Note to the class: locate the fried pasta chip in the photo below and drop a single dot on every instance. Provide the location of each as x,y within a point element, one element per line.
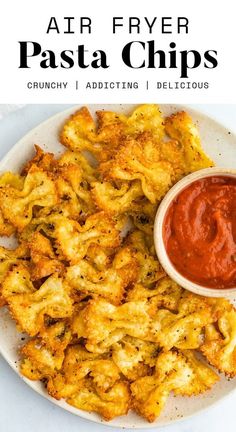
<point>6,228</point>
<point>73,239</point>
<point>220,345</point>
<point>112,403</point>
<point>55,334</point>
<point>79,364</point>
<point>140,159</point>
<point>16,181</point>
<point>202,377</point>
<point>174,371</point>
<point>180,127</point>
<point>9,258</point>
<point>166,294</point>
<point>39,361</point>
<point>43,160</point>
<point>58,387</point>
<point>68,205</point>
<point>90,382</point>
<point>17,205</point>
<point>146,118</point>
<point>105,324</point>
<point>28,306</point>
<point>110,283</point>
<point>100,257</point>
<point>17,282</point>
<point>110,131</point>
<point>12,179</point>
<point>73,175</point>
<point>43,259</point>
<point>80,132</point>
<point>113,127</point>
<point>143,214</point>
<point>115,200</point>
<point>183,330</point>
<point>179,331</point>
<point>134,357</point>
<point>76,158</point>
<point>150,270</point>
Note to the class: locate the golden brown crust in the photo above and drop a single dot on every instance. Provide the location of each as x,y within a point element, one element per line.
<point>45,161</point>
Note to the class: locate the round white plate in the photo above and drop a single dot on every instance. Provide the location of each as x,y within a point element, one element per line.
<point>220,144</point>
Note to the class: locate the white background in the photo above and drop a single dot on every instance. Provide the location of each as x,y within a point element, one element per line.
<point>211,26</point>
<point>21,409</point>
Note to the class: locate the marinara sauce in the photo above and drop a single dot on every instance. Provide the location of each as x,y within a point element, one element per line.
<point>199,232</point>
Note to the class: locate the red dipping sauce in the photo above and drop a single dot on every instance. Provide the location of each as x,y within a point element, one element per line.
<point>199,232</point>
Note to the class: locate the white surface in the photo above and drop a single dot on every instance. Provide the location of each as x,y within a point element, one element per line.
<point>30,410</point>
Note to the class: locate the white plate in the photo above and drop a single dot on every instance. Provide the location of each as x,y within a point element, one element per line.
<point>221,146</point>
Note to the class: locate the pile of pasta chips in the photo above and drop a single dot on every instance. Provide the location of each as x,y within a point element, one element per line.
<point>107,329</point>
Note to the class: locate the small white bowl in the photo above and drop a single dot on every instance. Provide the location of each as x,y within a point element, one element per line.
<point>158,233</point>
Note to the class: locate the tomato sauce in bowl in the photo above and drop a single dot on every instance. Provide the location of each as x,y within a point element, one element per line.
<point>199,232</point>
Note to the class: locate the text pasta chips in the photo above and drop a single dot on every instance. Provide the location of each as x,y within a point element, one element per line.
<point>107,330</point>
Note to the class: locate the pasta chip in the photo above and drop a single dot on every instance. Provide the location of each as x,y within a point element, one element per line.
<point>220,345</point>
<point>166,294</point>
<point>9,258</point>
<point>114,199</point>
<point>73,239</point>
<point>134,357</point>
<point>180,127</point>
<point>112,403</point>
<point>140,159</point>
<point>109,283</point>
<point>43,160</point>
<point>17,205</point>
<point>105,324</point>
<point>80,132</point>
<point>43,259</point>
<point>76,158</point>
<point>55,334</point>
<point>103,371</point>
<point>178,372</point>
<point>175,330</point>
<point>29,306</point>
<point>39,362</point>
<point>150,270</point>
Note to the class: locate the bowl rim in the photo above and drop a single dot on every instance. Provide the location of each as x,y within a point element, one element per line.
<point>158,233</point>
